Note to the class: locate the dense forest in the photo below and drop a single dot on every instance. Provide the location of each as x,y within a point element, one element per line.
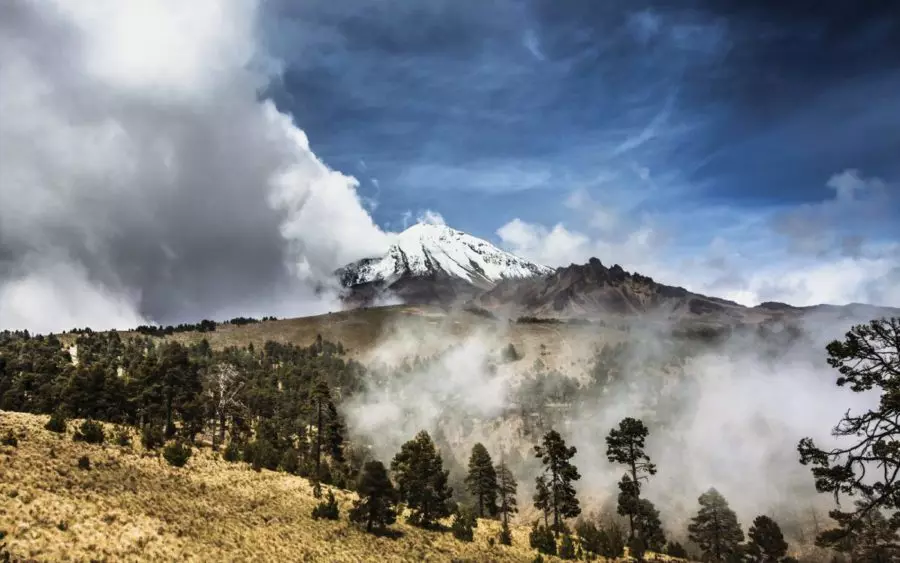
<point>279,407</point>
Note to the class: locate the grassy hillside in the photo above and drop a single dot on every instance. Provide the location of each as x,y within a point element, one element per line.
<point>132,506</point>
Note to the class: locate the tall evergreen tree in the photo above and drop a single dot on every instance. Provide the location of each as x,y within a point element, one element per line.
<point>767,543</point>
<point>422,480</point>
<point>329,428</point>
<point>506,491</point>
<point>376,505</point>
<point>625,445</point>
<point>715,528</point>
<point>559,472</point>
<point>867,359</point>
<point>481,481</point>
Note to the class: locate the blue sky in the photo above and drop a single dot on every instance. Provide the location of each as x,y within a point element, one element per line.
<point>719,127</point>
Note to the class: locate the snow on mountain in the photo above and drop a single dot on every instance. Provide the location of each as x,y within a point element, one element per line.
<point>426,249</point>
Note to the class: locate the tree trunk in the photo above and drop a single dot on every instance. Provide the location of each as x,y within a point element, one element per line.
<point>222,427</point>
<point>636,490</point>
<point>318,437</point>
<point>215,433</point>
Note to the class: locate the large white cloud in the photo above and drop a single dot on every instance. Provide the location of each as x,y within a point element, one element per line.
<point>142,177</point>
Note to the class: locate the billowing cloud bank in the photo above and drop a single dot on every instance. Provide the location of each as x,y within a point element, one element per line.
<point>142,177</point>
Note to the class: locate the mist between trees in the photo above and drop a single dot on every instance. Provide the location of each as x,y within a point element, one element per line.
<point>720,417</point>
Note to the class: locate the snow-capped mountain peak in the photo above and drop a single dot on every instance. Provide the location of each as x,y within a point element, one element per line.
<point>428,249</point>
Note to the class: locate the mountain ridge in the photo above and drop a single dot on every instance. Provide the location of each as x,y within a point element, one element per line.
<point>432,264</point>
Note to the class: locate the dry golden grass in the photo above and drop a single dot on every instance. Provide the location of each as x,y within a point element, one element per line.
<point>132,506</point>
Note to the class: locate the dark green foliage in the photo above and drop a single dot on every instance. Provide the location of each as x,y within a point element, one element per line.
<point>463,525</point>
<point>290,461</point>
<point>9,439</point>
<point>422,480</point>
<point>648,527</point>
<point>715,528</point>
<point>57,422</point>
<point>84,463</point>
<point>481,481</point>
<point>376,506</point>
<point>567,548</point>
<point>327,509</point>
<point>870,537</point>
<point>329,426</point>
<point>505,537</point>
<point>608,541</point>
<point>232,452</point>
<point>541,538</point>
<point>176,388</point>
<point>90,432</point>
<point>506,491</point>
<point>868,359</point>
<point>559,497</point>
<point>123,437</point>
<point>261,454</point>
<point>625,445</point>
<point>767,543</point>
<point>177,453</point>
<point>152,437</point>
<point>675,549</point>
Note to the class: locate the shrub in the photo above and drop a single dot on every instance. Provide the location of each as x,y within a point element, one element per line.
<point>463,524</point>
<point>152,437</point>
<point>10,439</point>
<point>177,453</point>
<point>290,461</point>
<point>260,454</point>
<point>232,452</point>
<point>84,463</point>
<point>90,432</point>
<point>327,509</point>
<point>541,538</point>
<point>57,422</point>
<point>675,549</point>
<point>123,438</point>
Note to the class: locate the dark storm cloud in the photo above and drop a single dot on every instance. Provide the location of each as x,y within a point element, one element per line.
<point>161,185</point>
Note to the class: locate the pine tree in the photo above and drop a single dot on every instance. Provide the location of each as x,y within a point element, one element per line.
<point>625,445</point>
<point>329,428</point>
<point>463,525</point>
<point>377,498</point>
<point>506,490</point>
<point>767,543</point>
<point>868,360</point>
<point>422,480</point>
<point>481,481</point>
<point>542,498</point>
<point>870,537</point>
<point>560,473</point>
<point>715,528</point>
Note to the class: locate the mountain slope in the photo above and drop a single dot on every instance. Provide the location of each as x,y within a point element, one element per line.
<point>434,264</point>
<point>593,290</point>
